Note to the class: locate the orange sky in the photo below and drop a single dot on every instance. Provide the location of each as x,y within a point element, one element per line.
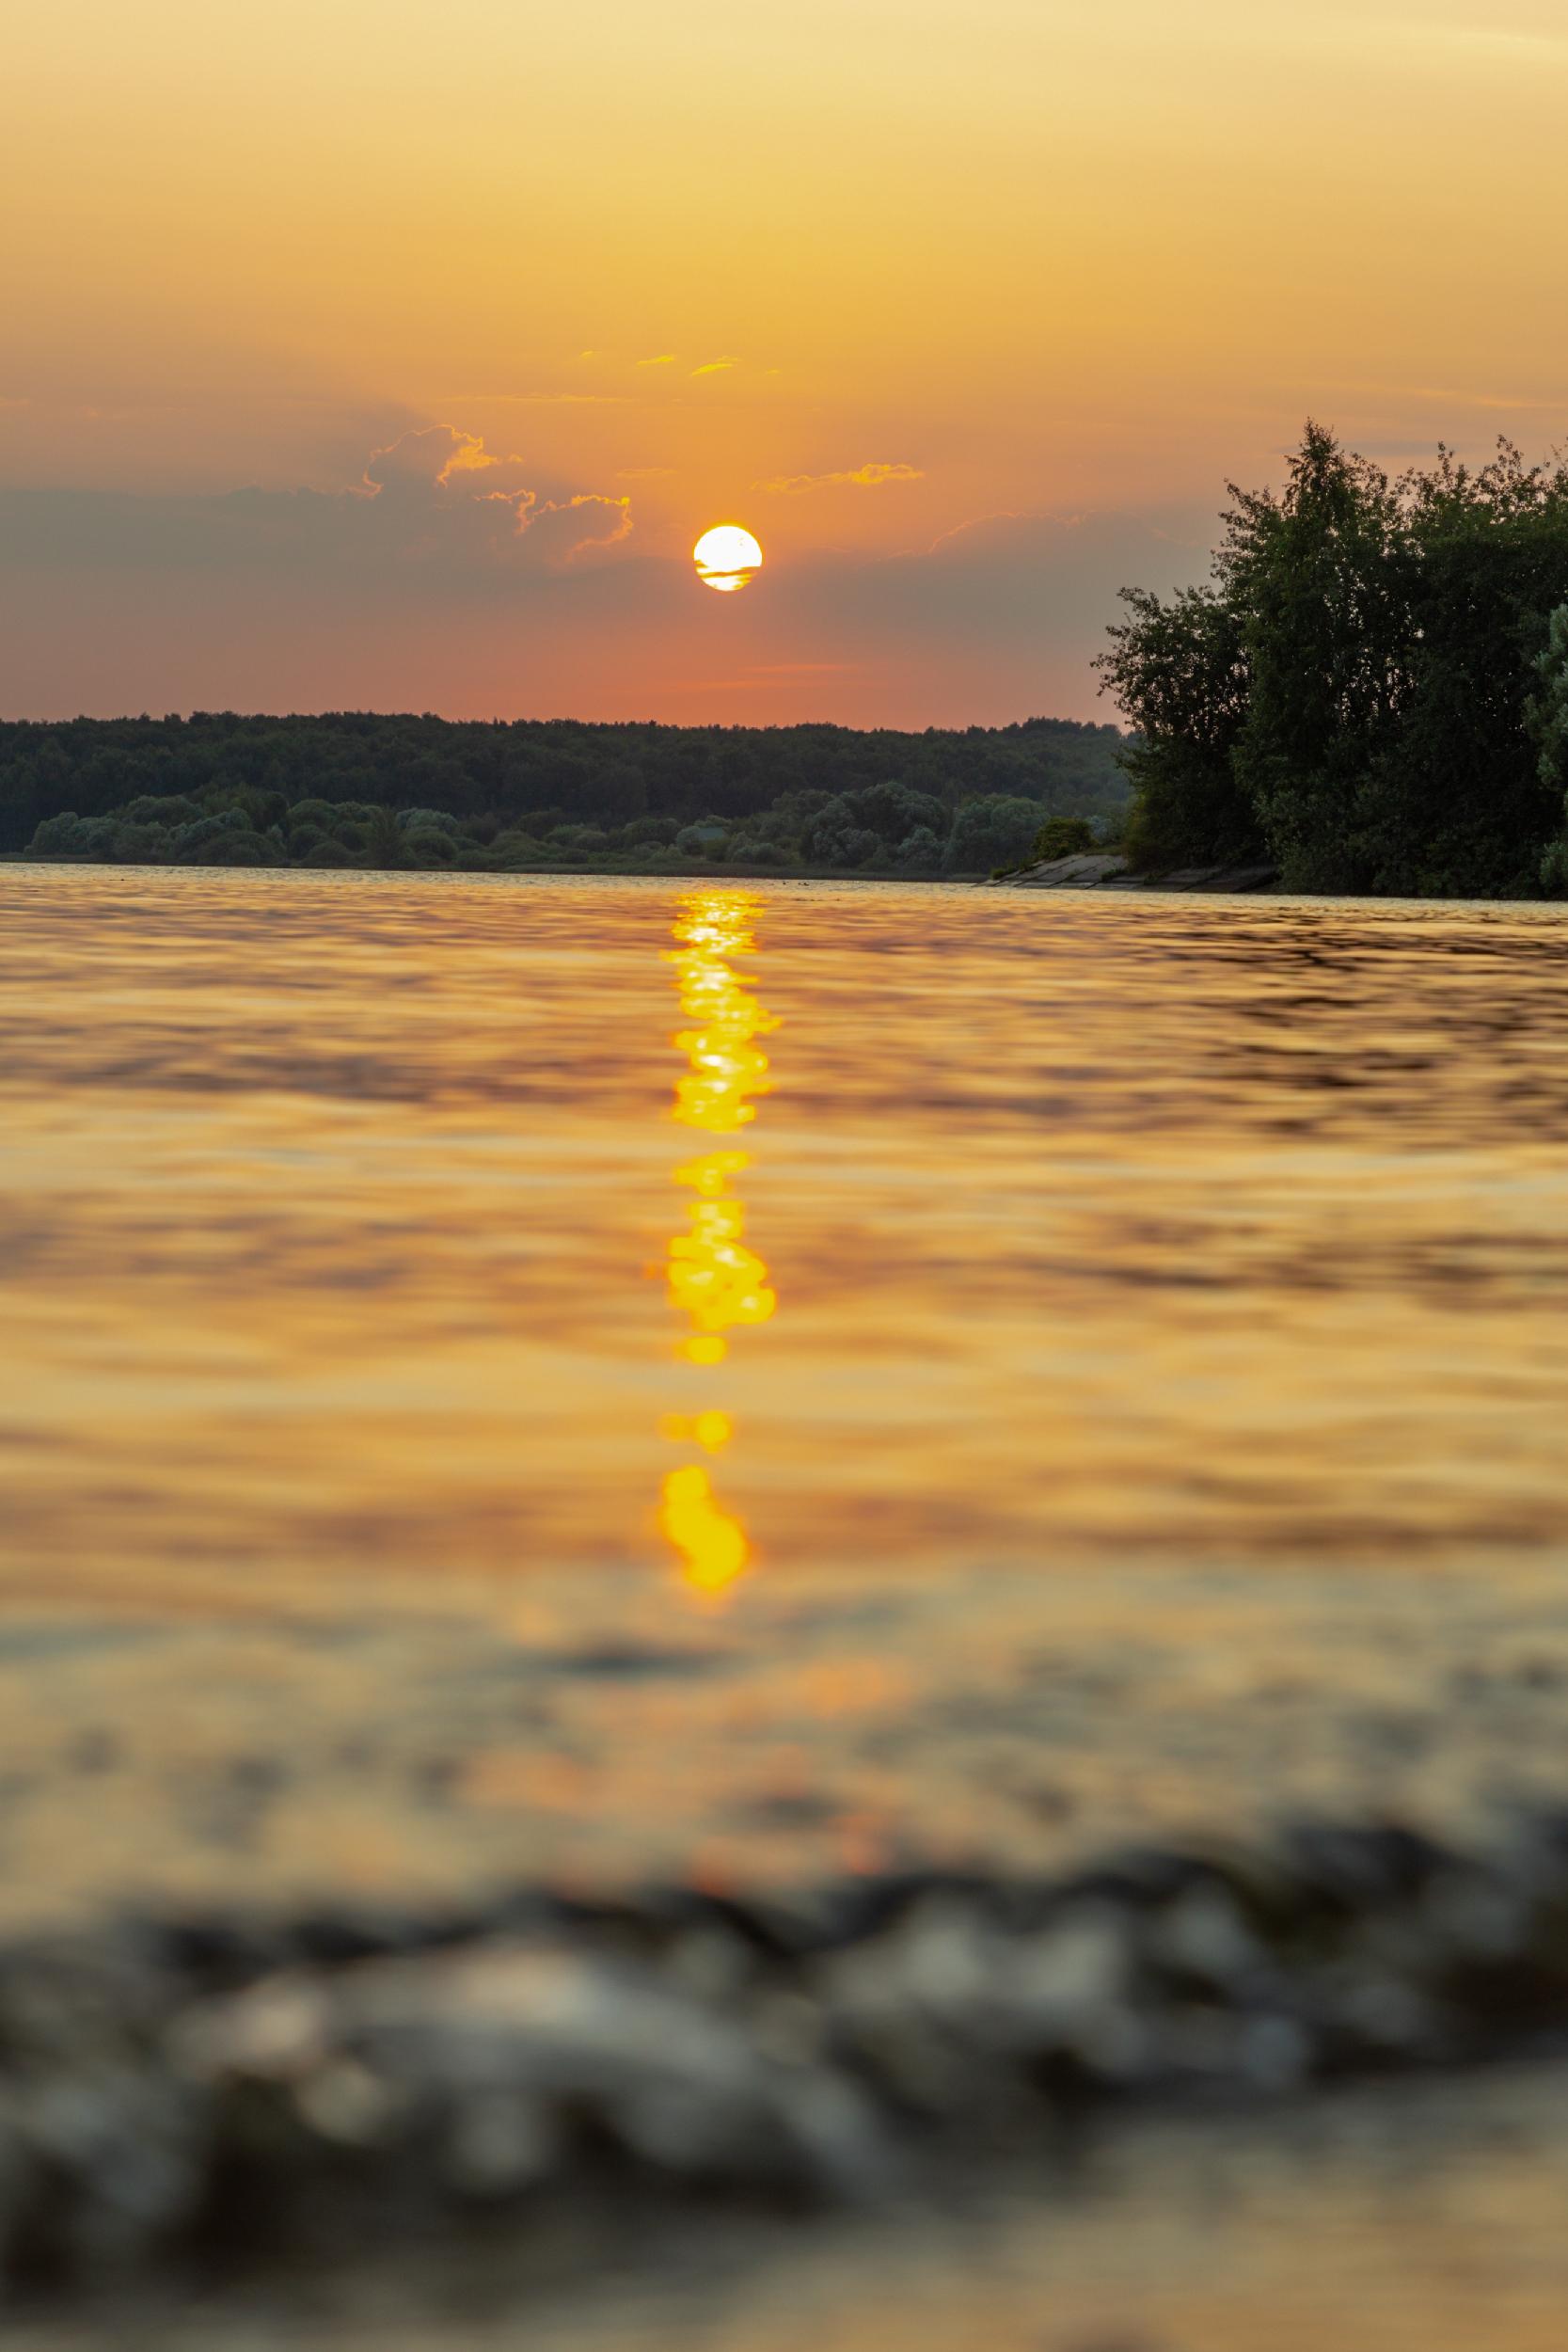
<point>966,311</point>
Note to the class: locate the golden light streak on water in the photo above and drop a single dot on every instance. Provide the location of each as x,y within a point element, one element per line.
<point>710,1541</point>
<point>715,1279</point>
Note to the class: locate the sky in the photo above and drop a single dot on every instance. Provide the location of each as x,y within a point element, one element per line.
<point>385,357</point>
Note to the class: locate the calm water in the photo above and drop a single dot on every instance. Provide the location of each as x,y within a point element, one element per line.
<point>361,1225</point>
<point>604,1384</point>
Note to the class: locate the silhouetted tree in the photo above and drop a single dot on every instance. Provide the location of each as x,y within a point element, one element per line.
<point>1352,694</point>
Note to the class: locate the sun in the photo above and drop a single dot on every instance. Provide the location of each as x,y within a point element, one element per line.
<point>726,557</point>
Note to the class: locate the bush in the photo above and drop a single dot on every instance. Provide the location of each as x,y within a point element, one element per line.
<point>1063,836</point>
<point>172,809</point>
<point>920,852</point>
<point>515,850</point>
<point>993,831</point>
<point>60,837</point>
<point>234,849</point>
<point>431,848</point>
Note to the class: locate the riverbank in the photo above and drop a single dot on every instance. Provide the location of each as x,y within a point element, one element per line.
<point>344,1965</point>
<point>1407,2215</point>
<point>1093,869</point>
<point>210,2096</point>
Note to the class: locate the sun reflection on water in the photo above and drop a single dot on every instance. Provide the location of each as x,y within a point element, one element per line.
<point>716,1281</point>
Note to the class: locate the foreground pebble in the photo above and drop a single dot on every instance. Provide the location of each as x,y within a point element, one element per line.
<point>182,2088</point>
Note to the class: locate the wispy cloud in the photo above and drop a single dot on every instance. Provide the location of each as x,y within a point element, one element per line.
<point>1504,44</point>
<point>433,504</point>
<point>659,359</point>
<point>614,512</point>
<point>716,367</point>
<point>436,459</point>
<point>1448,396</point>
<point>645,473</point>
<point>871,476</point>
<point>529,399</point>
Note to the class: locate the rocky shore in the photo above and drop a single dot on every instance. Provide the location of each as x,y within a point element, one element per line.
<point>1091,870</point>
<point>183,2090</point>
<point>360,1934</point>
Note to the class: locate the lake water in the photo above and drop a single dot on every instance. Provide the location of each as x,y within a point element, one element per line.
<point>603,1384</point>
<point>600,1379</point>
<point>364,1225</point>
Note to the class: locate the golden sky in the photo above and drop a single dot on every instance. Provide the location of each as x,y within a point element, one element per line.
<point>965,310</point>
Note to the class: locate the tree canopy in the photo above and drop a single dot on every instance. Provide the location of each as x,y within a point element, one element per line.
<point>357,789</point>
<point>1363,694</point>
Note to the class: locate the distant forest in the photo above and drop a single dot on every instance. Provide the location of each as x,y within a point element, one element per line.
<point>357,789</point>
<point>1371,692</point>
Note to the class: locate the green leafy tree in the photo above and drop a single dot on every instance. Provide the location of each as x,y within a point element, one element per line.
<point>1548,722</point>
<point>1180,669</point>
<point>61,836</point>
<point>919,851</point>
<point>1063,836</point>
<point>994,831</point>
<point>530,775</point>
<point>1456,799</point>
<point>1350,694</point>
<point>384,841</point>
<point>430,849</point>
<point>1326,620</point>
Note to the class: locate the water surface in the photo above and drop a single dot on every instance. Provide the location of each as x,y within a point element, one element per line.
<point>364,1223</point>
<point>606,1385</point>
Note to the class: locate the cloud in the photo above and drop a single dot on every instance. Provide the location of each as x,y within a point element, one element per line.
<point>1448,397</point>
<point>870,476</point>
<point>659,359</point>
<point>1025,596</point>
<point>716,367</point>
<point>449,575</point>
<point>433,502</point>
<point>534,400</point>
<point>645,473</point>
<point>429,457</point>
<point>442,468</point>
<point>615,514</point>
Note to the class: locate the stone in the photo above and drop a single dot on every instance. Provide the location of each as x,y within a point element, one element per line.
<point>1083,870</point>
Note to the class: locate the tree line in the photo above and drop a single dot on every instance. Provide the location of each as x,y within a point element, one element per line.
<point>1372,691</point>
<point>362,790</point>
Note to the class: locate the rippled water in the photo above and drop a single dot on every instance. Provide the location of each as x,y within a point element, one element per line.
<point>439,1225</point>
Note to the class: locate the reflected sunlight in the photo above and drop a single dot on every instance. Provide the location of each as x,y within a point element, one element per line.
<point>715,1279</point>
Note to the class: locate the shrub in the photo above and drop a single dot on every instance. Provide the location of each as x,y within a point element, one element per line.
<point>920,852</point>
<point>1063,836</point>
<point>994,830</point>
<point>431,848</point>
<point>60,836</point>
<point>168,809</point>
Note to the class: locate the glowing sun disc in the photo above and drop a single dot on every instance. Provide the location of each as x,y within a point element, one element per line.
<point>726,557</point>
